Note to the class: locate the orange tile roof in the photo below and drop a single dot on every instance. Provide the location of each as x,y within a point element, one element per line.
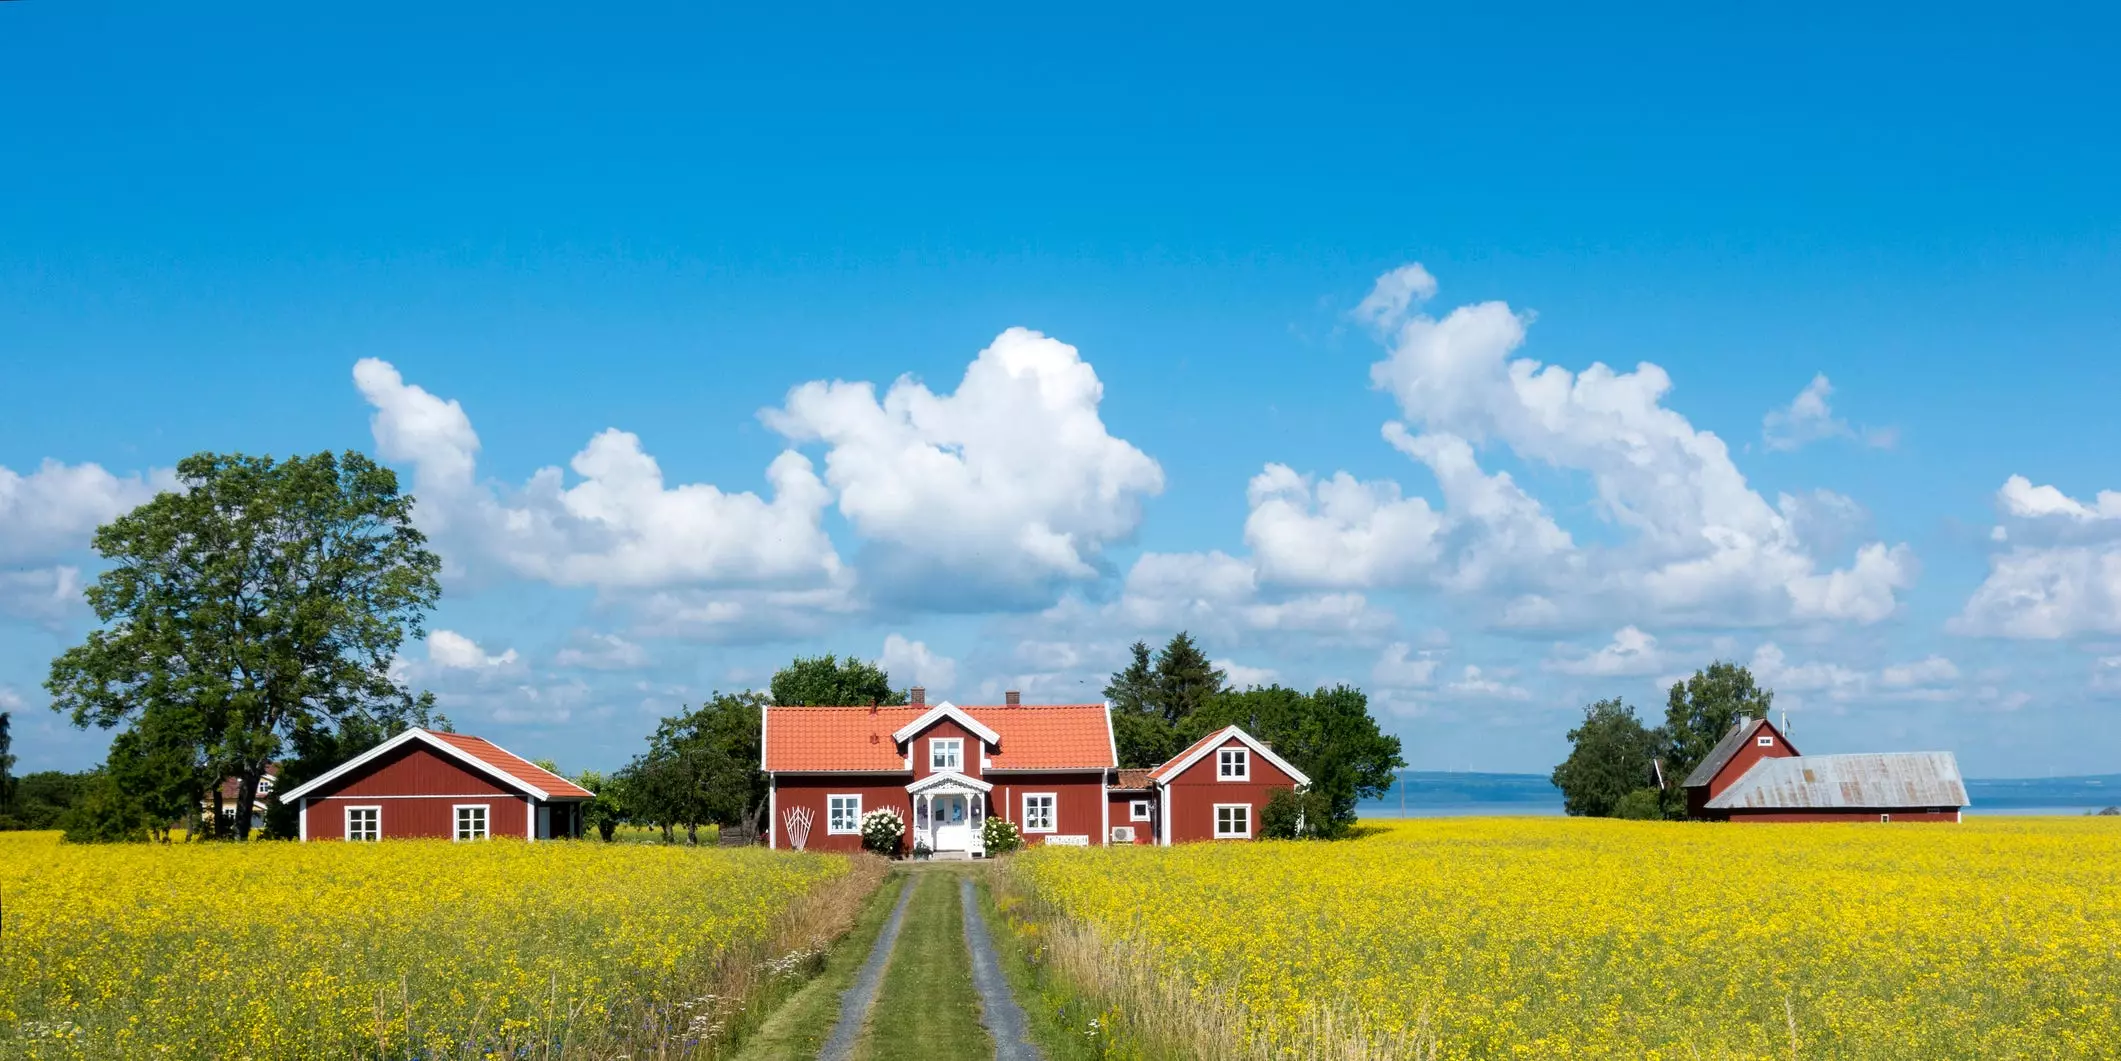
<point>858,739</point>
<point>513,765</point>
<point>1133,780</point>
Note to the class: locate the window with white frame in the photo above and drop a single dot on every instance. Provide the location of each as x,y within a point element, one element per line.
<point>471,821</point>
<point>1039,812</point>
<point>946,753</point>
<point>364,823</point>
<point>1233,820</point>
<point>1233,764</point>
<point>1765,741</point>
<point>843,814</point>
<point>1138,810</point>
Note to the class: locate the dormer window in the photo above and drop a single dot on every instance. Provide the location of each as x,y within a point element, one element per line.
<point>1233,764</point>
<point>946,753</point>
<point>1764,741</point>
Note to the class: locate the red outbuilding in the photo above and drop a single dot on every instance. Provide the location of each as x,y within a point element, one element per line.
<point>1216,789</point>
<point>1051,769</point>
<point>1754,774</point>
<point>423,784</point>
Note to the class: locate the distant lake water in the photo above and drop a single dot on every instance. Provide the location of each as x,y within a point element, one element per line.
<point>1448,794</point>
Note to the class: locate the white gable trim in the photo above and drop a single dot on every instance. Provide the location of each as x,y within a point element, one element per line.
<point>432,741</point>
<point>941,711</point>
<point>1179,766</point>
<point>949,779</point>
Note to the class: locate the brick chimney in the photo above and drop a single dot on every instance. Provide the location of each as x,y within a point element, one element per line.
<point>917,696</point>
<point>1013,698</point>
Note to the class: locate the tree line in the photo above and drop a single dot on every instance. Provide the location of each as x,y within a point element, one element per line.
<point>1620,768</point>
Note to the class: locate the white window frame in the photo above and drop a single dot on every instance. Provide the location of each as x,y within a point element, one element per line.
<point>456,821</point>
<point>348,831</point>
<point>1764,741</point>
<point>1885,817</point>
<point>1220,834</point>
<point>1240,756</point>
<point>956,746</point>
<point>854,820</point>
<point>1052,803</point>
<point>1138,810</point>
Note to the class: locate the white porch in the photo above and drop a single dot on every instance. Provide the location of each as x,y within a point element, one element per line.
<point>950,815</point>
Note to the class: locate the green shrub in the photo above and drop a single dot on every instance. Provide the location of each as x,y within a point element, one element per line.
<point>1643,804</point>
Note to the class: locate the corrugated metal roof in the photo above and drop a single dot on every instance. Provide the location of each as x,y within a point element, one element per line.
<point>1876,779</point>
<point>1722,753</point>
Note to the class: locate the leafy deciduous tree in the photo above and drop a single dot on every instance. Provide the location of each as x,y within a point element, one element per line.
<point>1611,754</point>
<point>1701,710</point>
<point>828,681</point>
<point>265,596</point>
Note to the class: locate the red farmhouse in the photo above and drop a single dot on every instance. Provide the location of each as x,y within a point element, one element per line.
<point>1050,769</point>
<point>1754,774</point>
<point>422,784</point>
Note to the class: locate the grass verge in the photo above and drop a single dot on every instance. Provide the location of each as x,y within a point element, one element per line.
<point>798,1029</point>
<point>1066,1024</point>
<point>928,1009</point>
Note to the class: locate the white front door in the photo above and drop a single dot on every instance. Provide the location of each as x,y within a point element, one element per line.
<point>953,827</point>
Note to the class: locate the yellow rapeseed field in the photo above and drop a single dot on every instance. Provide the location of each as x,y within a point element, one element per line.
<point>1996,938</point>
<point>403,949</point>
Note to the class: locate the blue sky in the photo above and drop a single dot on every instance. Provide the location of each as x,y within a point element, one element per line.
<point>1130,293</point>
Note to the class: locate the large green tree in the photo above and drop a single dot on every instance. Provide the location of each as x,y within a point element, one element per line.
<point>829,681</point>
<point>1328,734</point>
<point>702,767</point>
<point>264,596</point>
<point>1611,754</point>
<point>160,765</point>
<point>1152,698</point>
<point>1699,711</point>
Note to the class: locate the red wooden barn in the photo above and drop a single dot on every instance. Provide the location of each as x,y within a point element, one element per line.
<point>1050,769</point>
<point>1754,774</point>
<point>422,784</point>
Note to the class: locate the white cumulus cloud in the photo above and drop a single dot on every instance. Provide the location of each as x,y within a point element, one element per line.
<point>1010,483</point>
<point>1809,418</point>
<point>914,663</point>
<point>447,648</point>
<point>1243,677</point>
<point>1700,544</point>
<point>617,525</point>
<point>1631,653</point>
<point>2057,569</point>
<point>57,508</point>
<point>589,650</point>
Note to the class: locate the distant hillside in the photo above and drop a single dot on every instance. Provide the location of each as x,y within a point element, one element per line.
<point>1443,791</point>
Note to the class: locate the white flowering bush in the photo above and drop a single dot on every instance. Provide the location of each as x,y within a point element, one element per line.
<point>882,829</point>
<point>1001,836</point>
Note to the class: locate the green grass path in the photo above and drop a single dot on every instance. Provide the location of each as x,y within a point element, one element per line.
<point>928,1009</point>
<point>798,1029</point>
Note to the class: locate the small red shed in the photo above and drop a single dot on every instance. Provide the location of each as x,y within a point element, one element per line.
<point>1215,789</point>
<point>426,785</point>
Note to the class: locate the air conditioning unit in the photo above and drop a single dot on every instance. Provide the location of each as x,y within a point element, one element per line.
<point>1122,834</point>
